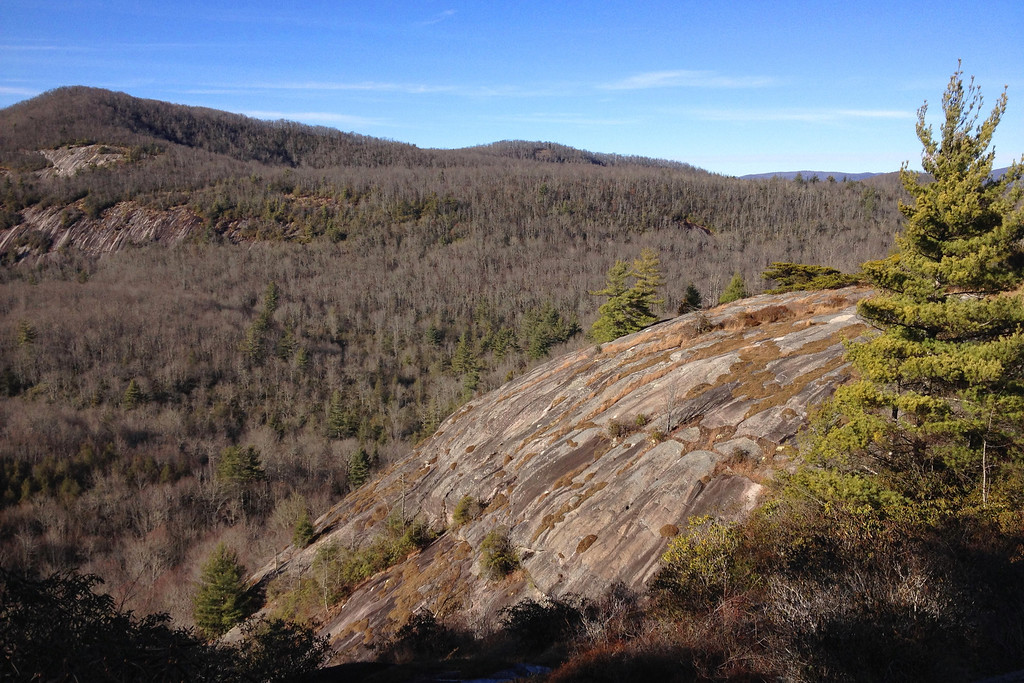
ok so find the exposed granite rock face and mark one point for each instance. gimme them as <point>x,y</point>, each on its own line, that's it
<point>594,460</point>
<point>68,161</point>
<point>121,226</point>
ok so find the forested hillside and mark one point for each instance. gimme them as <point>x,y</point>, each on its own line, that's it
<point>328,300</point>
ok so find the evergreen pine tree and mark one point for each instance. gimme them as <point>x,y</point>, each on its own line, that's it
<point>358,468</point>
<point>542,328</point>
<point>26,334</point>
<point>252,347</point>
<point>434,335</point>
<point>613,320</point>
<point>240,466</point>
<point>220,601</point>
<point>286,345</point>
<point>691,300</point>
<point>941,401</point>
<point>463,359</point>
<point>736,290</point>
<point>304,530</point>
<point>270,296</point>
<point>628,309</point>
<point>647,271</point>
<point>337,418</point>
<point>465,363</point>
<point>132,396</point>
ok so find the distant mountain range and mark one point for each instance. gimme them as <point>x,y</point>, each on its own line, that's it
<point>808,175</point>
<point>838,175</point>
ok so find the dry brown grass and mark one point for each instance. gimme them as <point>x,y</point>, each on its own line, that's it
<point>759,316</point>
<point>785,393</point>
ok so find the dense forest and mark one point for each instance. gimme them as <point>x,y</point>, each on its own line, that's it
<point>338,298</point>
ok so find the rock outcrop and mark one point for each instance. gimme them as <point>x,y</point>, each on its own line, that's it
<point>594,460</point>
<point>67,161</point>
<point>121,226</point>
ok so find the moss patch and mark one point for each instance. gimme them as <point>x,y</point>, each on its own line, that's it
<point>549,521</point>
<point>497,503</point>
<point>585,544</point>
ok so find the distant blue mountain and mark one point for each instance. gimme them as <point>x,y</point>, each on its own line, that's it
<point>838,175</point>
<point>807,175</point>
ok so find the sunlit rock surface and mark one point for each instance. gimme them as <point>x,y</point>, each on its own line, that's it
<point>595,460</point>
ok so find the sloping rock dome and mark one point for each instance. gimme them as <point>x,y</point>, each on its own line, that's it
<point>594,460</point>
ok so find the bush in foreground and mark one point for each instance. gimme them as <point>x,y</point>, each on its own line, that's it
<point>59,628</point>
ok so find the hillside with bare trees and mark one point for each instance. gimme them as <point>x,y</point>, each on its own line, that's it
<point>180,282</point>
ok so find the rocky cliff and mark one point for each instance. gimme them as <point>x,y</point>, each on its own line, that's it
<point>594,460</point>
<point>121,226</point>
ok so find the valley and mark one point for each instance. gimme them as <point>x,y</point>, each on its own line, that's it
<point>361,378</point>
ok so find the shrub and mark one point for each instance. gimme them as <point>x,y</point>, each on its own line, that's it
<point>700,566</point>
<point>498,557</point>
<point>423,637</point>
<point>466,510</point>
<point>58,628</point>
<point>336,570</point>
<point>299,599</point>
<point>657,436</point>
<point>622,661</point>
<point>620,429</point>
<point>399,538</point>
<point>277,650</point>
<point>538,625</point>
<point>702,324</point>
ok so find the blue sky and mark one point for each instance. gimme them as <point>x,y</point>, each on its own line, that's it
<point>733,87</point>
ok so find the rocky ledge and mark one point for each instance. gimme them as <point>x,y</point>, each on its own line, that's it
<point>593,461</point>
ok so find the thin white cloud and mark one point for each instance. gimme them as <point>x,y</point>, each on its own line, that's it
<point>369,86</point>
<point>44,48</point>
<point>119,48</point>
<point>8,90</point>
<point>512,91</point>
<point>508,91</point>
<point>439,18</point>
<point>806,116</point>
<point>876,114</point>
<point>178,46</point>
<point>207,91</point>
<point>569,119</point>
<point>687,79</point>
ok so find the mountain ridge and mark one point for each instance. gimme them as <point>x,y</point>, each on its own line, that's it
<point>279,141</point>
<point>810,175</point>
